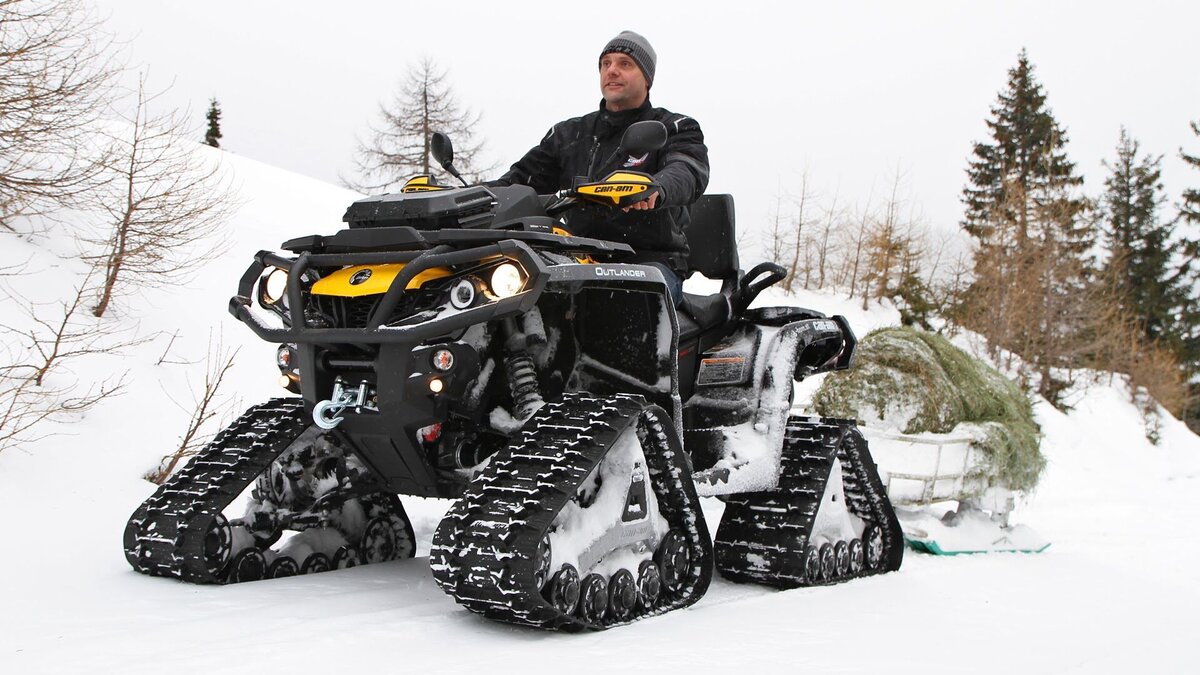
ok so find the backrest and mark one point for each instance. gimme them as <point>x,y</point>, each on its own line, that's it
<point>712,237</point>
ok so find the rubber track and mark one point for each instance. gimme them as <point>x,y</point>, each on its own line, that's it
<point>763,535</point>
<point>484,548</point>
<point>165,535</point>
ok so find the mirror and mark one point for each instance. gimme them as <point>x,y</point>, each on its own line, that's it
<point>443,150</point>
<point>645,136</point>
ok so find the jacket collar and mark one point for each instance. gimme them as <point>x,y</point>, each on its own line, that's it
<point>610,123</point>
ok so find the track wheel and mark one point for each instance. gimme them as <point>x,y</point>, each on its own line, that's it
<point>593,598</point>
<point>649,584</point>
<point>346,557</point>
<point>622,595</point>
<point>378,541</point>
<point>841,558</point>
<point>218,544</point>
<point>248,565</point>
<point>812,563</point>
<point>873,543</point>
<point>283,566</point>
<point>541,567</point>
<point>389,508</point>
<point>317,562</point>
<point>564,589</point>
<point>828,563</point>
<point>673,560</point>
<point>856,556</point>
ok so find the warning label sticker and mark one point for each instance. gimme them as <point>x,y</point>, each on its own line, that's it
<point>722,370</point>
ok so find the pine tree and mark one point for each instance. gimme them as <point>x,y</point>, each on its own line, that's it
<point>213,135</point>
<point>399,146</point>
<point>1140,244</point>
<point>1027,156</point>
<point>1032,265</point>
<point>1189,314</point>
<point>1189,210</point>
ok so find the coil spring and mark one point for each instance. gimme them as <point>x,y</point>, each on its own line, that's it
<point>523,383</point>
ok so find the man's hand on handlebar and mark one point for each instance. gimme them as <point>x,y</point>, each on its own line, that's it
<point>644,205</point>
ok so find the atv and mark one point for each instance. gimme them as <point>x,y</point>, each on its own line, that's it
<point>457,342</point>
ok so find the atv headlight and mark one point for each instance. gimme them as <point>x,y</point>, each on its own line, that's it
<point>274,287</point>
<point>506,281</point>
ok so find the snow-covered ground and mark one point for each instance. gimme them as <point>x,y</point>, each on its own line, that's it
<point>1117,591</point>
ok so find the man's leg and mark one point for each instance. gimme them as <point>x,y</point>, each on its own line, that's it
<point>674,283</point>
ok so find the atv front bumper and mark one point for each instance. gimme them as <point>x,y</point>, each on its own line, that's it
<point>299,331</point>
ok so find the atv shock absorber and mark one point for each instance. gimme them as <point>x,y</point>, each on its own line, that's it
<point>522,374</point>
<point>522,381</point>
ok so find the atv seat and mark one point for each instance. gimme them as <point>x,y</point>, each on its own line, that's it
<point>704,311</point>
<point>713,253</point>
<point>712,240</point>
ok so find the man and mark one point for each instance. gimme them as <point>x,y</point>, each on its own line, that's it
<point>586,147</point>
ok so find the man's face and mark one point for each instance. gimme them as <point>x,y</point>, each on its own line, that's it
<point>621,82</point>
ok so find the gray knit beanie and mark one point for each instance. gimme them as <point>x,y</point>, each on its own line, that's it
<point>638,48</point>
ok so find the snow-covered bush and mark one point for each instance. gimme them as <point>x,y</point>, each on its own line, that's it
<point>917,382</point>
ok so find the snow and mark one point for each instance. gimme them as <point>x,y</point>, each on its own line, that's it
<point>971,531</point>
<point>582,536</point>
<point>749,463</point>
<point>1116,592</point>
<point>501,420</point>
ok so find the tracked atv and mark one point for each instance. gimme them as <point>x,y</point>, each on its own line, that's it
<point>456,343</point>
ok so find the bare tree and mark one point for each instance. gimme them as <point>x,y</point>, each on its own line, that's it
<point>996,303</point>
<point>800,239</point>
<point>399,143</point>
<point>208,405</point>
<point>866,252</point>
<point>776,244</point>
<point>883,248</point>
<point>55,75</point>
<point>897,250</point>
<point>32,397</point>
<point>162,201</point>
<point>823,240</point>
<point>957,280</point>
<point>857,235</point>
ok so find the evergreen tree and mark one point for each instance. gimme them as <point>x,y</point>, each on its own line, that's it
<point>1189,314</point>
<point>213,135</point>
<point>399,146</point>
<point>1189,210</point>
<point>1032,265</point>
<point>1140,245</point>
<point>1024,167</point>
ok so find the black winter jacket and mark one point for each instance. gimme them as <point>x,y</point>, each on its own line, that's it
<point>586,147</point>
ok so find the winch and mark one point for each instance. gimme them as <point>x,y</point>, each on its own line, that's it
<point>327,413</point>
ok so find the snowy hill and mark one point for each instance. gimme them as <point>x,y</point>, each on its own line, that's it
<point>1116,592</point>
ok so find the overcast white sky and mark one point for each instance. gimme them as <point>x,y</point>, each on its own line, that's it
<point>847,90</point>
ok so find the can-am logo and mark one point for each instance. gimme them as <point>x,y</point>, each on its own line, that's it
<point>360,277</point>
<point>613,272</point>
<point>603,189</point>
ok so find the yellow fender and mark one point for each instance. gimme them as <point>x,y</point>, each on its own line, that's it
<point>363,280</point>
<point>421,183</point>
